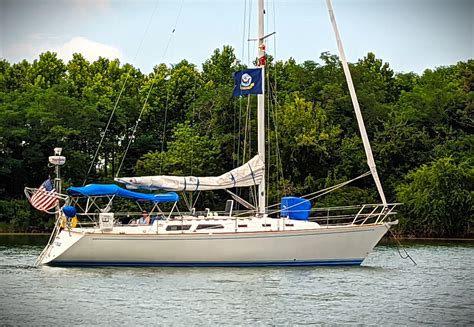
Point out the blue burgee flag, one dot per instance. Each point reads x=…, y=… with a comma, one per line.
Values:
x=248, y=81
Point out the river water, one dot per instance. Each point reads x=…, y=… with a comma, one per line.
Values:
x=384, y=290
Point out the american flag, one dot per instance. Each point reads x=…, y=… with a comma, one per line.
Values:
x=44, y=198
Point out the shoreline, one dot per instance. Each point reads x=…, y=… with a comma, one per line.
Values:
x=401, y=238
x=21, y=233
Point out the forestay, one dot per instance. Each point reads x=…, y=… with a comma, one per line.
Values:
x=249, y=174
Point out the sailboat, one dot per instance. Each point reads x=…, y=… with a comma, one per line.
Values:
x=291, y=234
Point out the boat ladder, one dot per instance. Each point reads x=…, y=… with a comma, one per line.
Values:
x=56, y=230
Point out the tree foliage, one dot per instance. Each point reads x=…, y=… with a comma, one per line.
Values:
x=420, y=127
x=188, y=153
x=440, y=196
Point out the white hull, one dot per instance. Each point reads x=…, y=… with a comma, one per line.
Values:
x=342, y=245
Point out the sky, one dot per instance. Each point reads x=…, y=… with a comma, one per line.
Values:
x=411, y=35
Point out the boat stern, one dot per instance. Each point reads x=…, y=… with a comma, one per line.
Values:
x=61, y=243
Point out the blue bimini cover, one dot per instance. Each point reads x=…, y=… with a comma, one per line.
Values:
x=295, y=208
x=112, y=189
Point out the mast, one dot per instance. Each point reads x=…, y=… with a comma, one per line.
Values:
x=261, y=106
x=355, y=103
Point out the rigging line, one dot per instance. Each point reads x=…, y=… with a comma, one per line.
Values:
x=135, y=128
x=247, y=144
x=249, y=110
x=275, y=95
x=329, y=190
x=275, y=115
x=243, y=32
x=187, y=201
x=266, y=79
x=246, y=130
x=400, y=246
x=149, y=93
x=326, y=190
x=192, y=125
x=192, y=143
x=163, y=137
x=270, y=108
x=248, y=32
x=265, y=16
x=332, y=188
x=273, y=110
x=174, y=29
x=239, y=134
x=236, y=164
x=195, y=201
x=240, y=98
x=121, y=91
x=168, y=88
x=277, y=142
x=274, y=23
x=106, y=128
x=234, y=133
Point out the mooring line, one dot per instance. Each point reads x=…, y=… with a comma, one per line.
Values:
x=399, y=245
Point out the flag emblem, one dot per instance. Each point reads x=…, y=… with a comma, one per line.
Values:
x=248, y=81
x=45, y=196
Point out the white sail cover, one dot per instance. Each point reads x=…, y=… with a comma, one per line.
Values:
x=248, y=174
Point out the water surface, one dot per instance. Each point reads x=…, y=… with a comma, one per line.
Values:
x=384, y=290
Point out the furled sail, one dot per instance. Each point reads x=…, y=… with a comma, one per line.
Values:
x=248, y=174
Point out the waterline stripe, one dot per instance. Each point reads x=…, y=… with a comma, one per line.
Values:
x=335, y=262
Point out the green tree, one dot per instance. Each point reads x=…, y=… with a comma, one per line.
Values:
x=188, y=154
x=399, y=148
x=18, y=77
x=79, y=75
x=48, y=70
x=215, y=111
x=438, y=199
x=375, y=85
x=307, y=139
x=439, y=101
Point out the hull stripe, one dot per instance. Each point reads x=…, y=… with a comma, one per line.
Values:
x=202, y=236
x=339, y=262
